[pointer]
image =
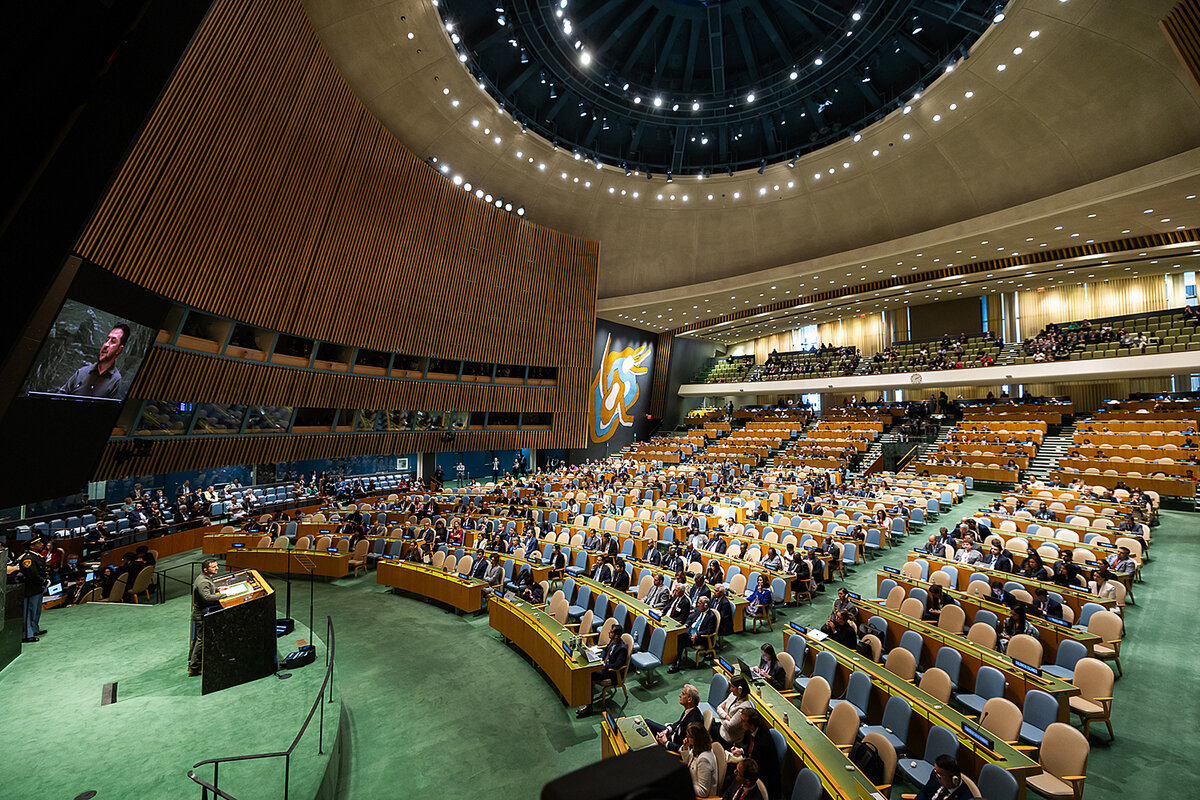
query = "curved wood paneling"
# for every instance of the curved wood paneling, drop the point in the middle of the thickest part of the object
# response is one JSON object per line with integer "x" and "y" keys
{"x": 181, "y": 375}
{"x": 262, "y": 190}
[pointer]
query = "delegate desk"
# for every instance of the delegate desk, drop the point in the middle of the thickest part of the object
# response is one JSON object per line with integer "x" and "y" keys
{"x": 1167, "y": 487}
{"x": 739, "y": 601}
{"x": 279, "y": 562}
{"x": 808, "y": 746}
{"x": 218, "y": 544}
{"x": 1073, "y": 598}
{"x": 928, "y": 711}
{"x": 1049, "y": 634}
{"x": 673, "y": 629}
{"x": 995, "y": 474}
{"x": 1017, "y": 681}
{"x": 543, "y": 639}
{"x": 465, "y": 594}
{"x": 619, "y": 736}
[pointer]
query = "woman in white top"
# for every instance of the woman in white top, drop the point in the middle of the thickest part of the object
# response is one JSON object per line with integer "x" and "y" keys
{"x": 1102, "y": 585}
{"x": 702, "y": 763}
{"x": 729, "y": 713}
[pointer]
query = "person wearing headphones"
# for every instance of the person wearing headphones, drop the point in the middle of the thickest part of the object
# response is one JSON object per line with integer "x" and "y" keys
{"x": 946, "y": 782}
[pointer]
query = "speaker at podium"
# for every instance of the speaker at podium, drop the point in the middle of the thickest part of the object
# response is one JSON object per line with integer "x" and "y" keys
{"x": 239, "y": 635}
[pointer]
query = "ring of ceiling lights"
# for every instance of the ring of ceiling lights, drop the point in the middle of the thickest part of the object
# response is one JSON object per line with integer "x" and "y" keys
{"x": 632, "y": 83}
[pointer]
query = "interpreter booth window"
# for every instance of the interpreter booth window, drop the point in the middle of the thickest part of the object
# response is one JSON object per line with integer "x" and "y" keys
{"x": 398, "y": 420}
{"x": 430, "y": 421}
{"x": 219, "y": 418}
{"x": 268, "y": 419}
{"x": 314, "y": 420}
{"x": 456, "y": 420}
{"x": 502, "y": 419}
{"x": 164, "y": 418}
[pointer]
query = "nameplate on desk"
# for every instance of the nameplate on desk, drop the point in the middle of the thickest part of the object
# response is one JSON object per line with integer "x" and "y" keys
{"x": 237, "y": 546}
{"x": 324, "y": 531}
{"x": 798, "y": 628}
{"x": 567, "y": 649}
{"x": 1030, "y": 668}
{"x": 892, "y": 570}
{"x": 854, "y": 595}
{"x": 921, "y": 550}
{"x": 725, "y": 665}
{"x": 1057, "y": 621}
{"x": 978, "y": 737}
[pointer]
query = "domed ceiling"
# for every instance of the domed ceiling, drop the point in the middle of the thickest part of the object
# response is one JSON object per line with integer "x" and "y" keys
{"x": 688, "y": 86}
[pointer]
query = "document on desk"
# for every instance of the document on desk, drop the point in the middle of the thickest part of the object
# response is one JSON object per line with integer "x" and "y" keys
{"x": 593, "y": 654}
{"x": 819, "y": 636}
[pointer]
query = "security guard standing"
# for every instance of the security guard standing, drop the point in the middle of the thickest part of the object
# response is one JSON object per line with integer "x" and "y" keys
{"x": 34, "y": 573}
{"x": 204, "y": 597}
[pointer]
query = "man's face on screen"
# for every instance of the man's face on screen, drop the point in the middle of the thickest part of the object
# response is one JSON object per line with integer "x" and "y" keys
{"x": 112, "y": 346}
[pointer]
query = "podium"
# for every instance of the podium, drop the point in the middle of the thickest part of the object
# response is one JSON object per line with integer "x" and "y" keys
{"x": 239, "y": 636}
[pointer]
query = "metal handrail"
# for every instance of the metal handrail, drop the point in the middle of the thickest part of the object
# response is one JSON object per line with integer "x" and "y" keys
{"x": 286, "y": 755}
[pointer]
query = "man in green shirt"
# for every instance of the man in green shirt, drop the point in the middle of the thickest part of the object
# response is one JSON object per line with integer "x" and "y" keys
{"x": 204, "y": 597}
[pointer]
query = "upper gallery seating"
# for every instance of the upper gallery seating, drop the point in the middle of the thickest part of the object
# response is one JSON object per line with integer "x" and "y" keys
{"x": 819, "y": 362}
{"x": 728, "y": 369}
{"x": 1134, "y": 334}
{"x": 949, "y": 352}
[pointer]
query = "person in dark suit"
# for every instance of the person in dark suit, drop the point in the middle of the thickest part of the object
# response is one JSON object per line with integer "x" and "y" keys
{"x": 1045, "y": 605}
{"x": 614, "y": 658}
{"x": 699, "y": 589}
{"x": 769, "y": 668}
{"x": 679, "y": 608}
{"x": 946, "y": 782}
{"x": 620, "y": 577}
{"x": 654, "y": 556}
{"x": 603, "y": 572}
{"x": 701, "y": 624}
{"x": 722, "y": 605}
{"x": 759, "y": 747}
{"x": 744, "y": 782}
{"x": 479, "y": 568}
{"x": 671, "y": 736}
{"x": 558, "y": 563}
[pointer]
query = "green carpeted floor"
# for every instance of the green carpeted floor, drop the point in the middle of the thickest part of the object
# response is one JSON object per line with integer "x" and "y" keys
{"x": 438, "y": 706}
{"x": 62, "y": 742}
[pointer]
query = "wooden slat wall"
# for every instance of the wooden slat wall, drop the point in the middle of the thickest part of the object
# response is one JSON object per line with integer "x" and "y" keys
{"x": 1182, "y": 28}
{"x": 180, "y": 375}
{"x": 662, "y": 361}
{"x": 263, "y": 190}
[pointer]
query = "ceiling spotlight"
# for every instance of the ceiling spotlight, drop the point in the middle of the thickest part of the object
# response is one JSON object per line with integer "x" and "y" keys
{"x": 750, "y": 97}
{"x": 792, "y": 163}
{"x": 998, "y": 14}
{"x": 658, "y": 102}
{"x": 524, "y": 56}
{"x": 669, "y": 178}
{"x": 819, "y": 61}
{"x": 761, "y": 166}
{"x": 553, "y": 94}
{"x": 585, "y": 58}
{"x": 794, "y": 74}
{"x": 695, "y": 105}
